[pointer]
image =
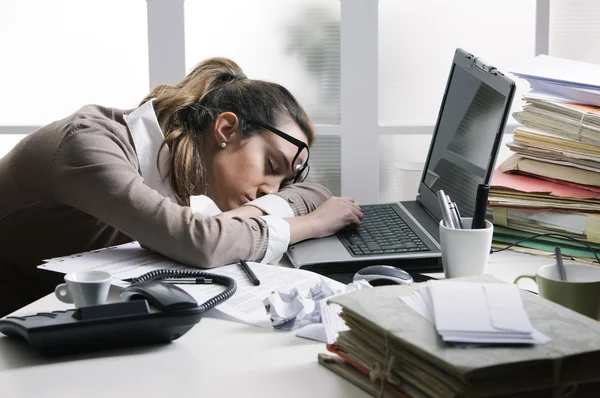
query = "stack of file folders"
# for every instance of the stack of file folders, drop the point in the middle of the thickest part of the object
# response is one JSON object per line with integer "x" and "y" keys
{"x": 392, "y": 351}
{"x": 551, "y": 184}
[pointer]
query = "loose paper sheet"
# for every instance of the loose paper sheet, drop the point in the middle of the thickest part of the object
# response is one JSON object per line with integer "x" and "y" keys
{"x": 130, "y": 261}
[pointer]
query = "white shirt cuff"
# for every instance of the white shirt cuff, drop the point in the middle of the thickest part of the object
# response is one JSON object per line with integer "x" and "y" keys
{"x": 204, "y": 205}
{"x": 273, "y": 205}
{"x": 279, "y": 239}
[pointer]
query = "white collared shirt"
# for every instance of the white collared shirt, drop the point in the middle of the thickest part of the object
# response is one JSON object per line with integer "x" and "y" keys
{"x": 147, "y": 137}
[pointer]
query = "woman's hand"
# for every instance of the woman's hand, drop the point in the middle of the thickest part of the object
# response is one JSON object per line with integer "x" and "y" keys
{"x": 335, "y": 214}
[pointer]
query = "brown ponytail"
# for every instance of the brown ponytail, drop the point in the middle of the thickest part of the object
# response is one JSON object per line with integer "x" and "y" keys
{"x": 186, "y": 110}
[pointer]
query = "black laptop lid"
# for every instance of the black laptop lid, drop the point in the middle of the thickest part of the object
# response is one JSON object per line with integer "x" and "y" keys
{"x": 467, "y": 134}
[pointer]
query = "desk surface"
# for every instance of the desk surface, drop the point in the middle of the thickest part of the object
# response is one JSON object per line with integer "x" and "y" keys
{"x": 217, "y": 358}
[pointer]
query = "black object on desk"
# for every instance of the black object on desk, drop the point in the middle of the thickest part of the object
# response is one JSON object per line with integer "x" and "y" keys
{"x": 251, "y": 275}
{"x": 99, "y": 327}
{"x": 152, "y": 312}
{"x": 481, "y": 199}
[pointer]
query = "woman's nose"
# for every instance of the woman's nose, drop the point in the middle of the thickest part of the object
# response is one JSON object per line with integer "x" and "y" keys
{"x": 266, "y": 189}
{"x": 262, "y": 191}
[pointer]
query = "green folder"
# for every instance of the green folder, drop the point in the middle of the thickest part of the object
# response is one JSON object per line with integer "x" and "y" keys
{"x": 569, "y": 248}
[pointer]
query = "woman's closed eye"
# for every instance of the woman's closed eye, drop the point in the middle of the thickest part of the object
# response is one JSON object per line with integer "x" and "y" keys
{"x": 271, "y": 166}
{"x": 274, "y": 169}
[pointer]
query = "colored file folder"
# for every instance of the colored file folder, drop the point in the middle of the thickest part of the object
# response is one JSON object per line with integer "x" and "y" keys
{"x": 521, "y": 191}
{"x": 562, "y": 174}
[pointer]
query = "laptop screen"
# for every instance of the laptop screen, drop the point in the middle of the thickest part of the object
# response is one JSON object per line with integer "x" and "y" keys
{"x": 465, "y": 143}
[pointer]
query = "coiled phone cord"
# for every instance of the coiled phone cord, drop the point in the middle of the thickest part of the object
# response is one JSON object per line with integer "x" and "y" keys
{"x": 209, "y": 278}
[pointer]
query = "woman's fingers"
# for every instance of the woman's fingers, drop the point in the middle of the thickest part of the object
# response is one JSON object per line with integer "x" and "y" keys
{"x": 356, "y": 210}
{"x": 358, "y": 213}
{"x": 355, "y": 215}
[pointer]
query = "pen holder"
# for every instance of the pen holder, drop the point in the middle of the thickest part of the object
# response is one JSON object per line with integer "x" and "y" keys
{"x": 465, "y": 251}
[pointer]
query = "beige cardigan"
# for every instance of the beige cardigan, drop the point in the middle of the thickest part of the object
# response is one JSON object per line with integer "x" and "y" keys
{"x": 75, "y": 185}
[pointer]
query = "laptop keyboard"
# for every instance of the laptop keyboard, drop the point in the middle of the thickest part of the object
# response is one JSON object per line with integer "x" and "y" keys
{"x": 382, "y": 231}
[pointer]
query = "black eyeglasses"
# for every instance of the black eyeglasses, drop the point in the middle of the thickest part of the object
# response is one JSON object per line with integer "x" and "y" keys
{"x": 299, "y": 165}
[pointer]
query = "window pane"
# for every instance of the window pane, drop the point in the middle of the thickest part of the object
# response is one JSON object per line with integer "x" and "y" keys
{"x": 326, "y": 163}
{"x": 575, "y": 30}
{"x": 59, "y": 55}
{"x": 8, "y": 141}
{"x": 411, "y": 148}
{"x": 295, "y": 43}
{"x": 417, "y": 40}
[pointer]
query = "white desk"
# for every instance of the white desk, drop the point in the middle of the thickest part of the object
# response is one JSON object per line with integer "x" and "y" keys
{"x": 217, "y": 358}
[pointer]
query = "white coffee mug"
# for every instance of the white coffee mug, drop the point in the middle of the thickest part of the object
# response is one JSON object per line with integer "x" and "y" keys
{"x": 408, "y": 177}
{"x": 84, "y": 288}
{"x": 465, "y": 251}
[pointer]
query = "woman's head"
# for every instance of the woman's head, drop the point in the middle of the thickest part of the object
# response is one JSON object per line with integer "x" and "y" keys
{"x": 230, "y": 136}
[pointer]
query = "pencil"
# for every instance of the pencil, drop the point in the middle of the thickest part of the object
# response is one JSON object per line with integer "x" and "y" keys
{"x": 249, "y": 272}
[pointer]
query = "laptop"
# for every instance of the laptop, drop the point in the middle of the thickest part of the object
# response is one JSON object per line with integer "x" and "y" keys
{"x": 462, "y": 154}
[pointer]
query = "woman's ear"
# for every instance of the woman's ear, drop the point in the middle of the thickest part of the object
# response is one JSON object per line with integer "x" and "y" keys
{"x": 226, "y": 128}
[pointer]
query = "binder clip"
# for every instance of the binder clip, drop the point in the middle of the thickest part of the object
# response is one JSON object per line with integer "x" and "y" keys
{"x": 483, "y": 66}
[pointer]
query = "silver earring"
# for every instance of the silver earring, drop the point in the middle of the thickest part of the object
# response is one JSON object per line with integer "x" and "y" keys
{"x": 223, "y": 144}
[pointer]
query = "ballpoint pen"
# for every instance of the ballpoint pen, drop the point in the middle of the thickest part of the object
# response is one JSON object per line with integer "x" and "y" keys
{"x": 458, "y": 215}
{"x": 454, "y": 213}
{"x": 249, "y": 273}
{"x": 180, "y": 281}
{"x": 187, "y": 281}
{"x": 447, "y": 216}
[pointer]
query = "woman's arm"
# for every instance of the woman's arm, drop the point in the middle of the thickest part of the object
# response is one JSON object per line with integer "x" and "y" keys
{"x": 95, "y": 171}
{"x": 304, "y": 197}
{"x": 293, "y": 200}
{"x": 333, "y": 215}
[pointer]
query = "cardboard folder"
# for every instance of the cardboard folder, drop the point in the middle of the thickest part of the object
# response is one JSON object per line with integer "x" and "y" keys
{"x": 397, "y": 352}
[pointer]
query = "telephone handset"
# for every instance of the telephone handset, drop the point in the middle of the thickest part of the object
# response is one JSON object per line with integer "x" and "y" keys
{"x": 151, "y": 312}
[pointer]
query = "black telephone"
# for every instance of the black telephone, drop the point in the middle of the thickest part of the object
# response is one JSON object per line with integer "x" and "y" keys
{"x": 152, "y": 312}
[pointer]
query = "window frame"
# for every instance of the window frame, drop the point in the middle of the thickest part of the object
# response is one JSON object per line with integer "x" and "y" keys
{"x": 359, "y": 83}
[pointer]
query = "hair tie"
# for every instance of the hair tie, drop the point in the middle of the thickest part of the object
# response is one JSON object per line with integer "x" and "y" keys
{"x": 240, "y": 76}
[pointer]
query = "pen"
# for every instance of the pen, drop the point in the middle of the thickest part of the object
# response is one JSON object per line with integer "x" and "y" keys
{"x": 445, "y": 210}
{"x": 249, "y": 272}
{"x": 480, "y": 206}
{"x": 455, "y": 212}
{"x": 183, "y": 281}
{"x": 187, "y": 281}
{"x": 562, "y": 274}
{"x": 452, "y": 208}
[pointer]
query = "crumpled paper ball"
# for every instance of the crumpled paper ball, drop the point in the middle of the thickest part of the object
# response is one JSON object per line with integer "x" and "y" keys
{"x": 290, "y": 310}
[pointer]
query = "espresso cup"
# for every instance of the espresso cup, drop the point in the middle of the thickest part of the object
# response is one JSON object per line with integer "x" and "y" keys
{"x": 84, "y": 288}
{"x": 580, "y": 292}
{"x": 465, "y": 251}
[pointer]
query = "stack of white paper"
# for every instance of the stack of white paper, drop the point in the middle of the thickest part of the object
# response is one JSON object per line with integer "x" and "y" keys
{"x": 484, "y": 313}
{"x": 559, "y": 79}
